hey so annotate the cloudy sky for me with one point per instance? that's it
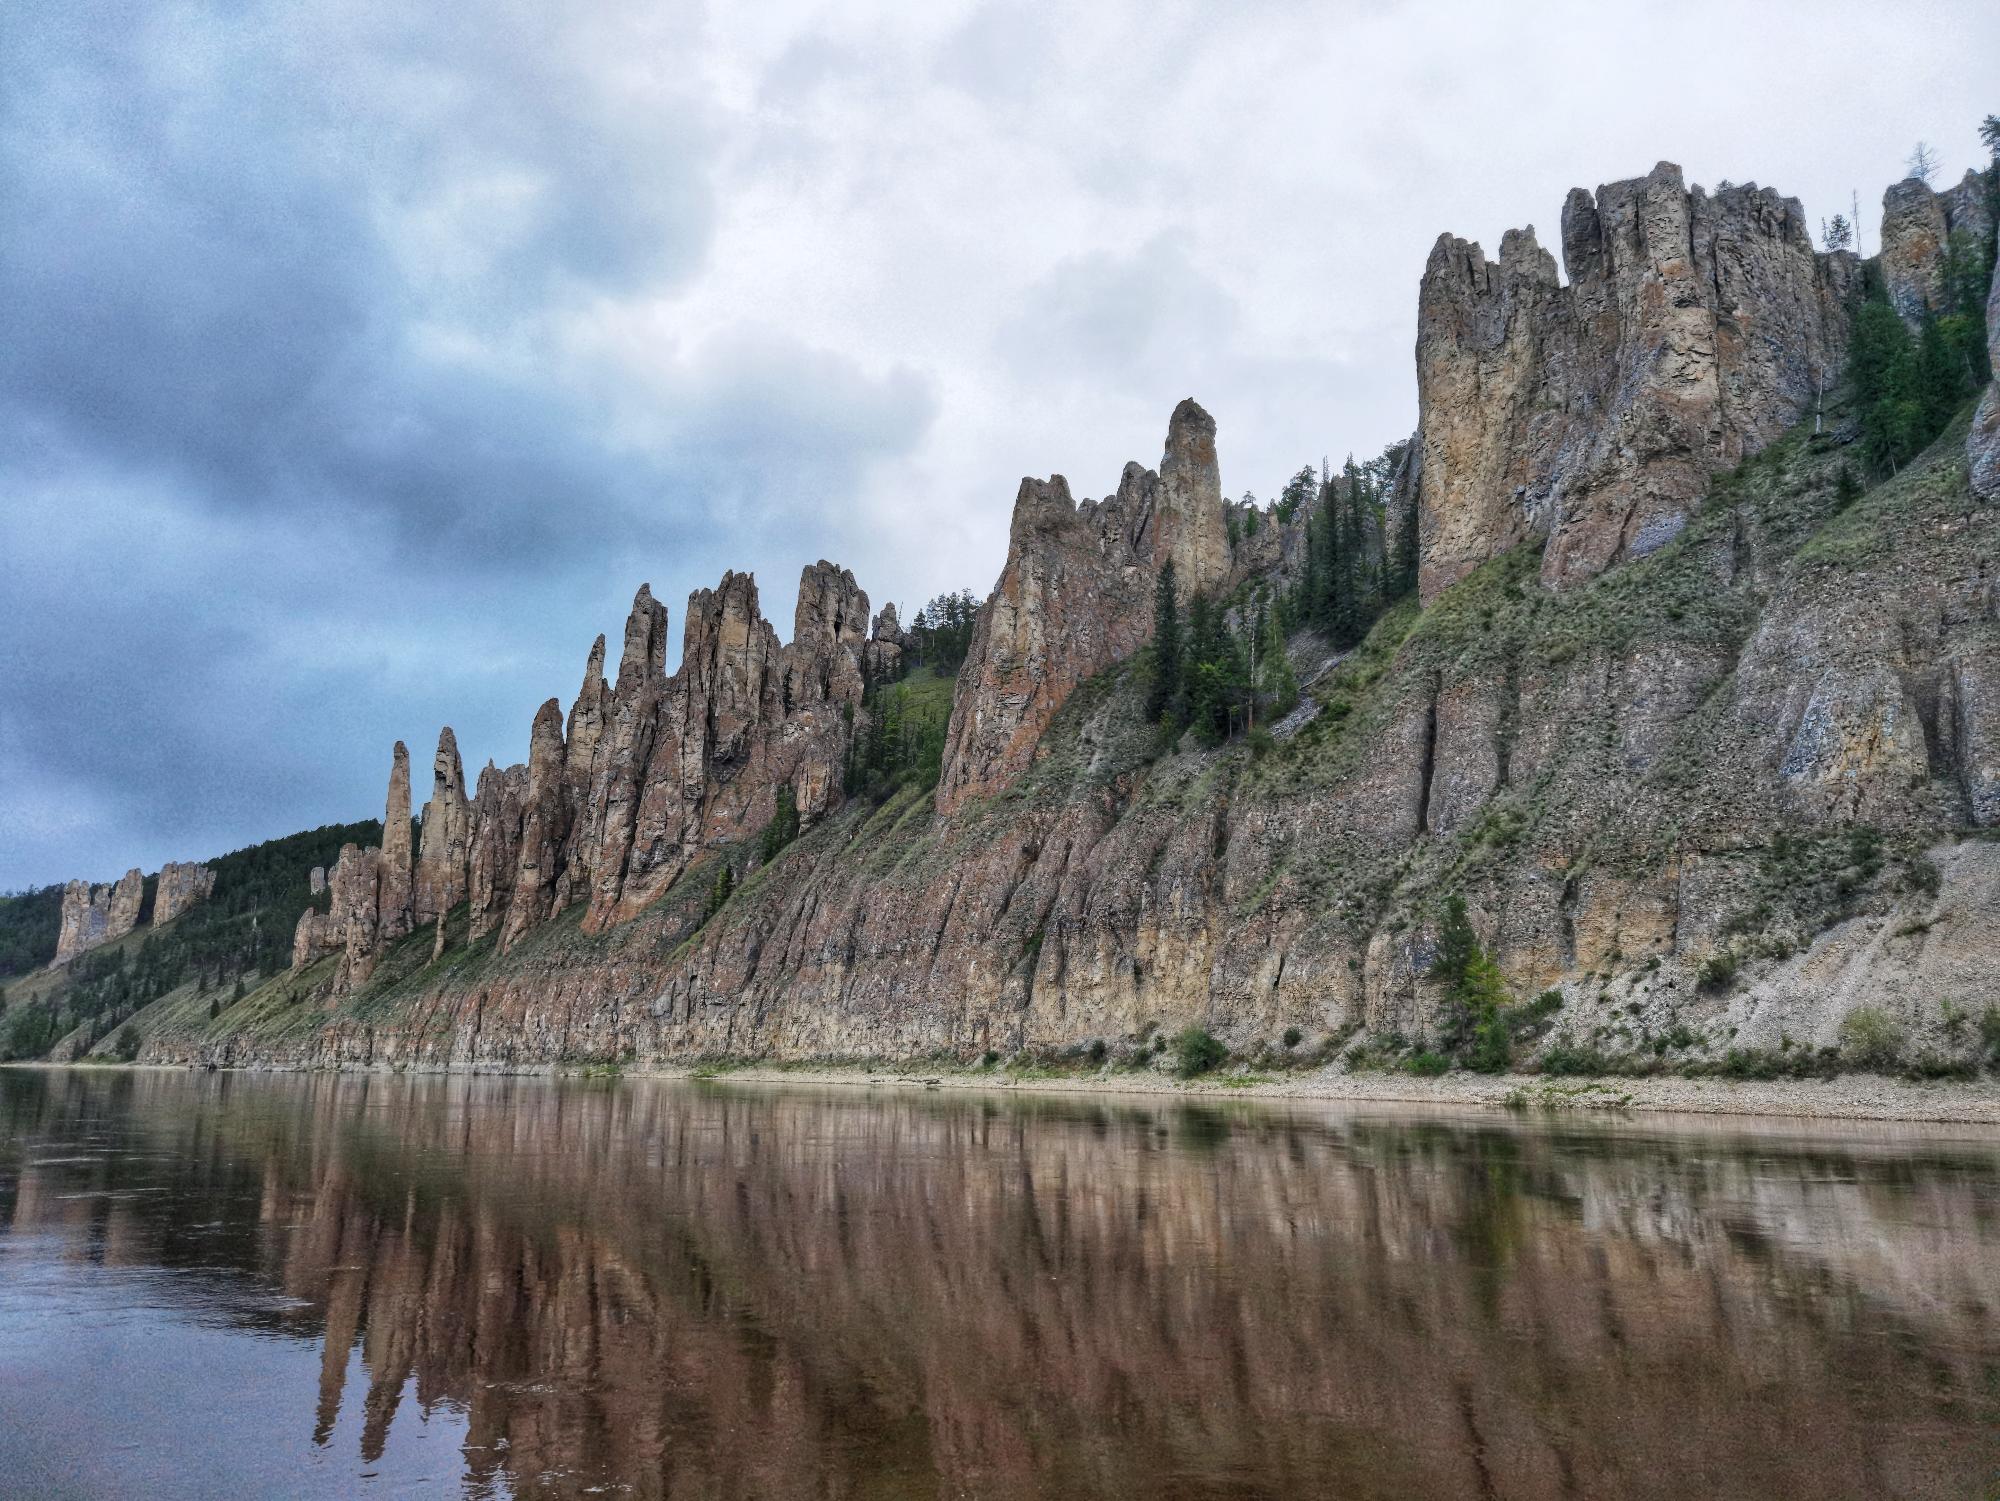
(358, 359)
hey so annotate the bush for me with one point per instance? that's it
(1196, 1051)
(1293, 1034)
(128, 1043)
(1718, 970)
(1871, 1038)
(1428, 1065)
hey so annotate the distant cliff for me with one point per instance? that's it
(1705, 738)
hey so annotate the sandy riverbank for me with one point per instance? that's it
(1856, 1097)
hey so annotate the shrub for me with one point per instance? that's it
(1096, 1051)
(128, 1042)
(1293, 1034)
(1871, 1038)
(1197, 1051)
(1718, 970)
(1428, 1065)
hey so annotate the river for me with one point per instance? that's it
(223, 1285)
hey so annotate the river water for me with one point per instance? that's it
(227, 1285)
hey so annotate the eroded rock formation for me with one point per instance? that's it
(1075, 596)
(447, 836)
(181, 885)
(1693, 330)
(94, 915)
(1919, 228)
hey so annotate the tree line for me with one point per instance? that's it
(1220, 671)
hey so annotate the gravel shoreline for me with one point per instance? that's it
(1860, 1097)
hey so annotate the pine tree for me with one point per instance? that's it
(1277, 682)
(721, 889)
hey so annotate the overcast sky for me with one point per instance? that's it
(359, 358)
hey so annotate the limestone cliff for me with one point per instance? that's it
(1692, 331)
(1709, 746)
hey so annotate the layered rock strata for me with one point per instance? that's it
(1692, 331)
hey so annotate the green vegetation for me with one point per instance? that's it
(902, 741)
(940, 634)
(1351, 575)
(244, 929)
(1872, 1039)
(1475, 1032)
(1197, 1052)
(29, 921)
(1907, 386)
(783, 827)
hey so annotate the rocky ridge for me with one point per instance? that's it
(95, 915)
(1709, 751)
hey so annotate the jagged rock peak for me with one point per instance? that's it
(393, 915)
(1075, 596)
(495, 848)
(447, 834)
(544, 827)
(1693, 330)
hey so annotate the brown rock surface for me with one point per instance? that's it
(181, 885)
(1075, 596)
(544, 828)
(494, 852)
(1913, 241)
(1693, 331)
(440, 882)
(95, 915)
(393, 916)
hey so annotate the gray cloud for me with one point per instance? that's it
(358, 358)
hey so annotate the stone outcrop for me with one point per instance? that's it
(95, 915)
(1982, 447)
(393, 914)
(1075, 596)
(1913, 241)
(1919, 227)
(882, 656)
(1693, 330)
(181, 885)
(544, 828)
(494, 852)
(440, 882)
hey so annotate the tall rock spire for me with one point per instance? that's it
(441, 856)
(580, 766)
(393, 909)
(544, 827)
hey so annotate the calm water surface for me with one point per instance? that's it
(217, 1286)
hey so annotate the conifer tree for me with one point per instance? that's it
(1162, 697)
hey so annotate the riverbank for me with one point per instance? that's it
(1853, 1097)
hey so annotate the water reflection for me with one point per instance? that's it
(674, 1289)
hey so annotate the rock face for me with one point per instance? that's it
(1982, 447)
(1075, 596)
(181, 885)
(440, 881)
(94, 915)
(1918, 227)
(882, 656)
(1694, 329)
(495, 849)
(1758, 750)
(393, 915)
